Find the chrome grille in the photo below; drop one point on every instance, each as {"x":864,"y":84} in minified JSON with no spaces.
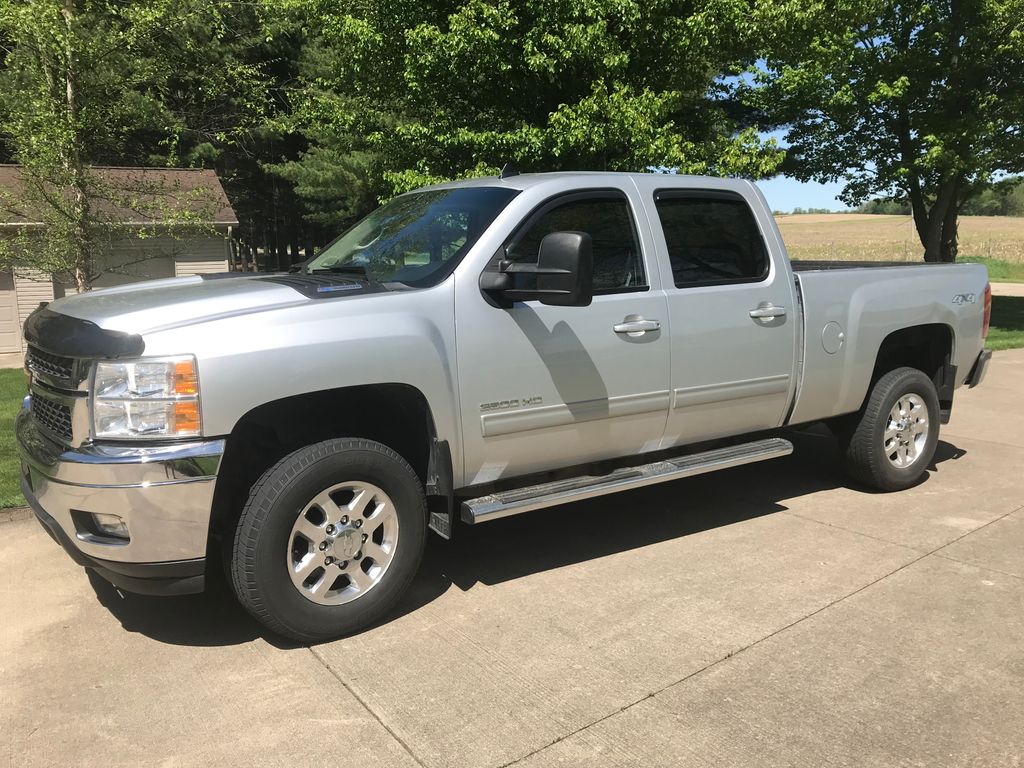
{"x":54,"y":367}
{"x":52,"y":416}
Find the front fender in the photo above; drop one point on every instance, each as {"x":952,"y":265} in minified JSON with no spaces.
{"x":400,"y":337}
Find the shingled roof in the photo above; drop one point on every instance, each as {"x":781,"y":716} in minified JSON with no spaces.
{"x":141,"y":195}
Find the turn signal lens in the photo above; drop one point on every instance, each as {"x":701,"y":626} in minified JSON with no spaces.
{"x":185,"y":382}
{"x":186,"y":418}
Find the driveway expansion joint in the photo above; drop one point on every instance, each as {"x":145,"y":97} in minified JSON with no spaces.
{"x":878,"y":539}
{"x":979,"y":566}
{"x":367,"y":707}
{"x":760,"y":640}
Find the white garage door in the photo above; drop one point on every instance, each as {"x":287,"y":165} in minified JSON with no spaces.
{"x":10,"y":332}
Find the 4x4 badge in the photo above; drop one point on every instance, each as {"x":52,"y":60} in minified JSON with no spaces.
{"x":965,"y":298}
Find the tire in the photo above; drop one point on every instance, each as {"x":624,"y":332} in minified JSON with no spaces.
{"x":872,"y":443}
{"x":280,"y":562}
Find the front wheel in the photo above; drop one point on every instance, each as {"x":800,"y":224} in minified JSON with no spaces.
{"x":329,"y":539}
{"x":892,"y":441}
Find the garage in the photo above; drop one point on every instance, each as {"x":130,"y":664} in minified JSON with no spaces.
{"x":10,"y":328}
{"x":147,"y":250}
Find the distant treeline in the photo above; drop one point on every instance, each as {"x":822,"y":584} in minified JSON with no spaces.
{"x":797,"y":211}
{"x":1004,"y":198}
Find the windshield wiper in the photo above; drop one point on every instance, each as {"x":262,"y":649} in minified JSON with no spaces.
{"x":355,"y":270}
{"x":352,"y":271}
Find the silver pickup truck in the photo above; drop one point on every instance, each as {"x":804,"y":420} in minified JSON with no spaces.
{"x":468,"y":351}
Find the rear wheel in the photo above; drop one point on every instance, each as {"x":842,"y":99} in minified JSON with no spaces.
{"x":329,"y":539}
{"x":892,"y":441}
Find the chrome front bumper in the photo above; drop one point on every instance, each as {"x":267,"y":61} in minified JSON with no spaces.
{"x":163,"y":493}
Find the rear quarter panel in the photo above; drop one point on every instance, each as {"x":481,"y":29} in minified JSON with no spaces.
{"x":868,"y":305}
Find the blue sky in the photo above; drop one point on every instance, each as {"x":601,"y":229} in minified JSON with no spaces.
{"x":785,"y":194}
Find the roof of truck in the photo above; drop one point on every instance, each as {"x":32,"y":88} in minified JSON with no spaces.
{"x":524,"y":181}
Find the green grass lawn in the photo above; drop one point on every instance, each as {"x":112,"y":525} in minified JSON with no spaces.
{"x":12,"y":390}
{"x":1000,"y":271}
{"x":1007,"y":328}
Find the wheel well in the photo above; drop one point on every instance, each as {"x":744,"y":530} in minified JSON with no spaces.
{"x":929,"y":348}
{"x":396,"y":415}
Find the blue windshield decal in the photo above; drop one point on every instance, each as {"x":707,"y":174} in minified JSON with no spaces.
{"x":343,"y":287}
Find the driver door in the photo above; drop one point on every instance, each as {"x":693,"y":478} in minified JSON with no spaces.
{"x":544,"y":387}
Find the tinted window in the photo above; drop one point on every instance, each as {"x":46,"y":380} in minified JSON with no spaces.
{"x":711,"y":239}
{"x":617,"y":262}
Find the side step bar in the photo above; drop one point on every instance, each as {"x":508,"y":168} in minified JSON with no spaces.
{"x":506,"y":503}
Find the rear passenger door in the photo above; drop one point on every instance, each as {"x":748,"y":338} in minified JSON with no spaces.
{"x":732,"y":313}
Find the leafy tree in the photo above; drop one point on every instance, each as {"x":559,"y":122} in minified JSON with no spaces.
{"x":921,"y":101}
{"x":85,"y":83}
{"x":1003,"y":198}
{"x":398,"y":93}
{"x":885,"y":206}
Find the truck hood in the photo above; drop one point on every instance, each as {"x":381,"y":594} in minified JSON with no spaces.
{"x":157,"y":305}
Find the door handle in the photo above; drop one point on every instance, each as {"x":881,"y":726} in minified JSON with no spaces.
{"x":767,"y":311}
{"x":634,"y":325}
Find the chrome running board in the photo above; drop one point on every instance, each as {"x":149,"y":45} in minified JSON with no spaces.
{"x":513,"y":502}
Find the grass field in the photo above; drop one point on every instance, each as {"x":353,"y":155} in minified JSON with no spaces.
{"x":12,"y":390}
{"x":995,"y":241}
{"x":1007,"y":329}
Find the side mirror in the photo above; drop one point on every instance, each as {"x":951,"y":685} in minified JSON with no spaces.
{"x":564,"y":273}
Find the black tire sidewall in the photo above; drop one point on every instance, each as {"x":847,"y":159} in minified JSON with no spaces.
{"x":889,"y":389}
{"x":295,"y":481}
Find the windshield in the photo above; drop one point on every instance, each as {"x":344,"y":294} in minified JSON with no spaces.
{"x":416,"y":239}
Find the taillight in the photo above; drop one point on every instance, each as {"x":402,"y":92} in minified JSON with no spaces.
{"x":987,"y":316}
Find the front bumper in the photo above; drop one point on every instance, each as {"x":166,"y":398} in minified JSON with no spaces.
{"x":164,"y":495}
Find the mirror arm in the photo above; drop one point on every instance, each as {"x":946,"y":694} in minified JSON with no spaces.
{"x":532,"y":295}
{"x":517,"y":268}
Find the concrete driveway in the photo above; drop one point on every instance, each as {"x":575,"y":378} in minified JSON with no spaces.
{"x":769,"y":615}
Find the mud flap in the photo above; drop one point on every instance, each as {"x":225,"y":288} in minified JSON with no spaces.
{"x":440,"y":498}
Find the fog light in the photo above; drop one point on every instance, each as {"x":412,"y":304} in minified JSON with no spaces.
{"x":110,"y":525}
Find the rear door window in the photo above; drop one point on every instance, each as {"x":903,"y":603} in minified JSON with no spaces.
{"x":712,"y":238}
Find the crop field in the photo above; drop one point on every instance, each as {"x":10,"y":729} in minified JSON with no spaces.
{"x":997,"y":241}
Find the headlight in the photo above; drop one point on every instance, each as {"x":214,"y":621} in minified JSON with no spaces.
{"x":158,"y":397}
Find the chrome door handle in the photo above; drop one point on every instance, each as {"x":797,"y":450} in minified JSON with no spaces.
{"x":634,"y":325}
{"x":767,"y":311}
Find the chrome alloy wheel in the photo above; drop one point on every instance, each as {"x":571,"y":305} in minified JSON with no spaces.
{"x":342,"y":543}
{"x":906,"y":431}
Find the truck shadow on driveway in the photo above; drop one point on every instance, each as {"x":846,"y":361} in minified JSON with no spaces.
{"x":532,"y":543}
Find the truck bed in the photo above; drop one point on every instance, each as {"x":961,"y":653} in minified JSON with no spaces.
{"x":850,"y":298}
{"x":810,"y":265}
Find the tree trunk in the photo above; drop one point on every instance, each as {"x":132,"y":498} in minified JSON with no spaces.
{"x":919,"y":209}
{"x":73,"y":163}
{"x":948,"y":246}
{"x":81,"y":280}
{"x":908,"y":154}
{"x":933,"y":239}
